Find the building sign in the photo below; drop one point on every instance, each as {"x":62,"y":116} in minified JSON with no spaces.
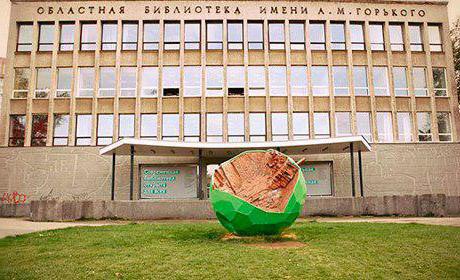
{"x":168,"y":182}
{"x":318,"y":177}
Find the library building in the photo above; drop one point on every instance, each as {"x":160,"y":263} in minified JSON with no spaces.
{"x":142,"y":100}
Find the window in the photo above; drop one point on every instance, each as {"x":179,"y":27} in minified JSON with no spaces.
{"x":360,"y":80}
{"x":404,"y":127}
{"x":277,"y":80}
{"x":192,"y":35}
{"x":340,"y":77}
{"x":64,"y":82}
{"x":380,"y":80}
{"x":235,"y":80}
{"x":104,"y":129}
{"x":149,"y":81}
{"x":43,"y":85}
{"x":337,"y":30}
{"x":61,"y":130}
{"x":276,"y":35}
{"x":149,"y":126}
{"x":25,"y":34}
{"x":128,"y":81}
{"x":256,"y":80}
{"x":109,"y":36}
{"x":46,"y":37}
{"x":151,"y":36}
{"x":396,"y":37}
{"x":257,"y":127}
{"x":320,"y":80}
{"x":317,"y":36}
{"x":192,"y":127}
{"x":107,"y":81}
{"x":67,"y":36}
{"x":415,"y":36}
{"x":420,"y":85}
{"x":88,"y":36}
{"x":434,"y":34}
{"x":298,"y":81}
{"x":83,"y":131}
{"x":255,"y":35}
{"x":400,"y":81}
{"x":235,"y":35}
{"x":321,"y":125}
{"x":300,"y":126}
{"x":172,"y":35}
{"x":39,"y":130}
{"x":17,"y":130}
{"x":297,"y":35}
{"x":280,"y":127}
{"x":357,"y":36}
{"x":214,"y":35}
{"x":424,"y":126}
{"x":384,"y":127}
{"x":363,"y":125}
{"x":235,"y":127}
{"x":444,"y":127}
{"x":376,"y":36}
{"x":86,"y":81}
{"x":129,"y":36}
{"x":214,"y":80}
{"x":126,"y":126}
{"x":21,"y":82}
{"x":171,"y":81}
{"x":192,"y":81}
{"x":342,"y":124}
{"x":439,"y":81}
{"x":214,"y":128}
{"x":170,"y":127}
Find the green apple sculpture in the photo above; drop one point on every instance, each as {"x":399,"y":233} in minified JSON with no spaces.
{"x":258,"y":193}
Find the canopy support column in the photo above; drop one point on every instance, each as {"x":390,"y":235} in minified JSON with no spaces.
{"x":352,"y":160}
{"x":200,"y":175}
{"x":131,"y":174}
{"x":113,"y":176}
{"x":360,"y":168}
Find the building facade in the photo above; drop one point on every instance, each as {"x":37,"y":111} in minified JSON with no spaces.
{"x":84,"y":74}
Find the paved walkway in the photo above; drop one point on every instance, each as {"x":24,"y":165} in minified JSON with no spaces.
{"x":17,"y":226}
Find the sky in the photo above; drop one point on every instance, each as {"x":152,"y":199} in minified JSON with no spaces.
{"x":454,"y":13}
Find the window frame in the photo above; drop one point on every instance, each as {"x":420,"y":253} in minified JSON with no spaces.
{"x":257,"y":137}
{"x":386,"y":132}
{"x":283,"y":119}
{"x":366,"y":79}
{"x":276,"y":45}
{"x":144,"y":79}
{"x":127,"y":45}
{"x":150,"y":45}
{"x":448,"y":134}
{"x":171,"y":45}
{"x":80,"y":89}
{"x":214,"y":44}
{"x":46,"y":91}
{"x":88,"y":45}
{"x":339,"y":44}
{"x":85,"y":137}
{"x":216,"y":137}
{"x":189,"y":124}
{"x":378,"y":45}
{"x":106,"y":92}
{"x":435,"y":46}
{"x":124,"y":90}
{"x":255,"y":44}
{"x":235,"y":45}
{"x":300,"y":43}
{"x":27,"y":71}
{"x":424,"y":136}
{"x":416,"y":46}
{"x":191,"y":44}
{"x":171,"y":135}
{"x":67,"y":130}
{"x":21,"y":120}
{"x":360,"y":44}
{"x":104,"y":139}
{"x":397,"y":89}
{"x":397,"y":46}
{"x":62,"y":45}
{"x":296,"y":118}
{"x":107,"y":45}
{"x":238,"y":117}
{"x":404,"y":136}
{"x":316,"y":45}
{"x":154,"y":135}
{"x":316,"y":119}
{"x":45,"y":46}
{"x":131,"y":117}
{"x":63,"y":92}
{"x":443,"y":90}
{"x":19,"y":43}
{"x":340,"y":90}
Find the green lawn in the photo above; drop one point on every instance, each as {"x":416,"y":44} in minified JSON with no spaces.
{"x":195,"y":251}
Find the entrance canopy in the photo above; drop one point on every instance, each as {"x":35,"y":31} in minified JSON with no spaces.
{"x":144,"y":147}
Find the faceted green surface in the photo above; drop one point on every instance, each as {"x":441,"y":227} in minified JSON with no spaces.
{"x":243,"y":218}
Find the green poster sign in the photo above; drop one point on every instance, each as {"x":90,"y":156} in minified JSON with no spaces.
{"x":168,"y":182}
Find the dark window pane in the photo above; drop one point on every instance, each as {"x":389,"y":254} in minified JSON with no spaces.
{"x":39,"y":130}
{"x":17,"y":130}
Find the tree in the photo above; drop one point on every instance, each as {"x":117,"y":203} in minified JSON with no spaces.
{"x":455,"y":36}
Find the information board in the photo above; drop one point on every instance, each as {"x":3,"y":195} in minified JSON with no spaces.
{"x":168,"y":182}
{"x":318,"y":177}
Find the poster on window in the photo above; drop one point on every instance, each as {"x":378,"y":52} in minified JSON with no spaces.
{"x":318,"y":178}
{"x":168,"y":182}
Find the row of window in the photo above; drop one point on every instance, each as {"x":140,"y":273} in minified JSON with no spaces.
{"x":214,"y":81}
{"x":215,"y":31}
{"x":236,"y":125}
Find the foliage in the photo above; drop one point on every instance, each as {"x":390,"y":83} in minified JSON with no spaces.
{"x":196,"y":251}
{"x":455,"y":37}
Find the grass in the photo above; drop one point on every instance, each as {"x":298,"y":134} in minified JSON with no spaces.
{"x":196,"y":251}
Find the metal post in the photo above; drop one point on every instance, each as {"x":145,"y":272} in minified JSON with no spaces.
{"x":131,"y":174}
{"x":360,"y":168}
{"x":352,"y":159}
{"x":200,"y":175}
{"x":113,"y":176}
